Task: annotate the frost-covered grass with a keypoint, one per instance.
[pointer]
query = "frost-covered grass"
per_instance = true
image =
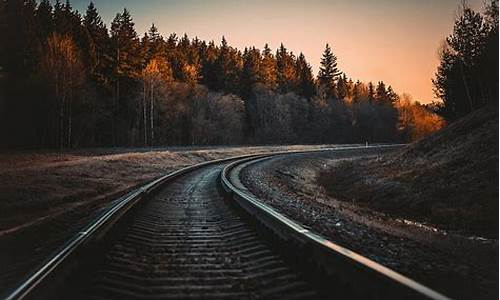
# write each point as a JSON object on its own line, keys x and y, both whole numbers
{"x": 449, "y": 179}
{"x": 46, "y": 197}
{"x": 36, "y": 186}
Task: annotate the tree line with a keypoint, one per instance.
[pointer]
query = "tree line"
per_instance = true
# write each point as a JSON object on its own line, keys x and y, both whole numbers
{"x": 467, "y": 77}
{"x": 69, "y": 81}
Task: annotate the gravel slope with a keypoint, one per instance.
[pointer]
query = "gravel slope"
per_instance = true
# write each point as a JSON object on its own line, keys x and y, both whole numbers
{"x": 450, "y": 263}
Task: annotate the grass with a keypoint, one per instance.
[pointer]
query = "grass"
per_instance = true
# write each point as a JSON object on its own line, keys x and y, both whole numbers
{"x": 449, "y": 179}
{"x": 36, "y": 186}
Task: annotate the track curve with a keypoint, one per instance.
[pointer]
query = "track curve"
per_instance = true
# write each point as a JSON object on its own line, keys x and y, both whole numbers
{"x": 188, "y": 235}
{"x": 186, "y": 242}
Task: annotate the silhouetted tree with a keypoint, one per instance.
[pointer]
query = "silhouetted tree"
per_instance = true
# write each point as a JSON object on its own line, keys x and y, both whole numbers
{"x": 305, "y": 80}
{"x": 126, "y": 66}
{"x": 328, "y": 73}
{"x": 285, "y": 69}
{"x": 66, "y": 81}
{"x": 467, "y": 77}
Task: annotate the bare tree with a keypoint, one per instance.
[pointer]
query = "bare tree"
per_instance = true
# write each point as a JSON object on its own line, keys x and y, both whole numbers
{"x": 61, "y": 63}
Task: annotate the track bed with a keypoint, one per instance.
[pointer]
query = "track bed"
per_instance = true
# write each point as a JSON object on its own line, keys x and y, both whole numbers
{"x": 188, "y": 242}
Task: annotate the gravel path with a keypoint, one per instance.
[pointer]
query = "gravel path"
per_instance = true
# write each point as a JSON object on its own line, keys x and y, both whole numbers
{"x": 452, "y": 264}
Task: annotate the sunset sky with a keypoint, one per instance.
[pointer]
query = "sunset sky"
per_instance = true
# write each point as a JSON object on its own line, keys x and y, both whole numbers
{"x": 389, "y": 40}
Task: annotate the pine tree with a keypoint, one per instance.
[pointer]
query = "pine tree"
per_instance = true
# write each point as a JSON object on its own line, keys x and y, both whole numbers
{"x": 328, "y": 73}
{"x": 59, "y": 21}
{"x": 381, "y": 93}
{"x": 126, "y": 67}
{"x": 463, "y": 78}
{"x": 391, "y": 95}
{"x": 342, "y": 88}
{"x": 190, "y": 63}
{"x": 268, "y": 68}
{"x": 371, "y": 92}
{"x": 350, "y": 88}
{"x": 356, "y": 92}
{"x": 45, "y": 20}
{"x": 250, "y": 75}
{"x": 209, "y": 58}
{"x": 19, "y": 43}
{"x": 96, "y": 45}
{"x": 154, "y": 53}
{"x": 125, "y": 46}
{"x": 305, "y": 85}
{"x": 285, "y": 67}
{"x": 157, "y": 46}
{"x": 227, "y": 68}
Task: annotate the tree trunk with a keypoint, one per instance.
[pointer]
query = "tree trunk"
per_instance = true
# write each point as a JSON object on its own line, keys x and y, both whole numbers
{"x": 117, "y": 98}
{"x": 70, "y": 111}
{"x": 144, "y": 115}
{"x": 61, "y": 115}
{"x": 152, "y": 115}
{"x": 466, "y": 86}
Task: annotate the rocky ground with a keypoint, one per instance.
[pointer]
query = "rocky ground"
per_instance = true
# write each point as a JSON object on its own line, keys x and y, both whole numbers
{"x": 46, "y": 196}
{"x": 458, "y": 265}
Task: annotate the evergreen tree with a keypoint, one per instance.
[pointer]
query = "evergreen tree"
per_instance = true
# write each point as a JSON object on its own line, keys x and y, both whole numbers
{"x": 157, "y": 46}
{"x": 285, "y": 67}
{"x": 208, "y": 62}
{"x": 268, "y": 69}
{"x": 342, "y": 88}
{"x": 227, "y": 68}
{"x": 96, "y": 45}
{"x": 488, "y": 65}
{"x": 251, "y": 71}
{"x": 381, "y": 93}
{"x": 19, "y": 43}
{"x": 45, "y": 20}
{"x": 392, "y": 96}
{"x": 328, "y": 73}
{"x": 154, "y": 49}
{"x": 125, "y": 46}
{"x": 67, "y": 21}
{"x": 467, "y": 76}
{"x": 350, "y": 88}
{"x": 126, "y": 68}
{"x": 371, "y": 92}
{"x": 305, "y": 85}
{"x": 356, "y": 92}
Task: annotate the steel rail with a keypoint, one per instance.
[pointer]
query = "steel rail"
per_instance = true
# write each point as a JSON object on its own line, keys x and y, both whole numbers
{"x": 373, "y": 280}
{"x": 99, "y": 226}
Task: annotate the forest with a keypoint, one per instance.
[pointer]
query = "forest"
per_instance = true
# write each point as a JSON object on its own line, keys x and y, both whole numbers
{"x": 69, "y": 81}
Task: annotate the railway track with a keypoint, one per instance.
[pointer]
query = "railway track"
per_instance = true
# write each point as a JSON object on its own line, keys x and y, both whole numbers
{"x": 186, "y": 236}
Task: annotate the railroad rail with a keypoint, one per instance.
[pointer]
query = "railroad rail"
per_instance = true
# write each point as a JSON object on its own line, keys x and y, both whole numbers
{"x": 331, "y": 263}
{"x": 181, "y": 236}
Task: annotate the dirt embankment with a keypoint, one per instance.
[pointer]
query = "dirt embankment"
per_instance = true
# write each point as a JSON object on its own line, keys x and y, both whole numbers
{"x": 449, "y": 179}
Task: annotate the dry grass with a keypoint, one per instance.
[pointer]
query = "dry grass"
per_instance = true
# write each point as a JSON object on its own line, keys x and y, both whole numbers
{"x": 46, "y": 197}
{"x": 449, "y": 179}
{"x": 35, "y": 187}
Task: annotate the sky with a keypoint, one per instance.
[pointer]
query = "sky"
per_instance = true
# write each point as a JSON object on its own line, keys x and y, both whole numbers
{"x": 395, "y": 41}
